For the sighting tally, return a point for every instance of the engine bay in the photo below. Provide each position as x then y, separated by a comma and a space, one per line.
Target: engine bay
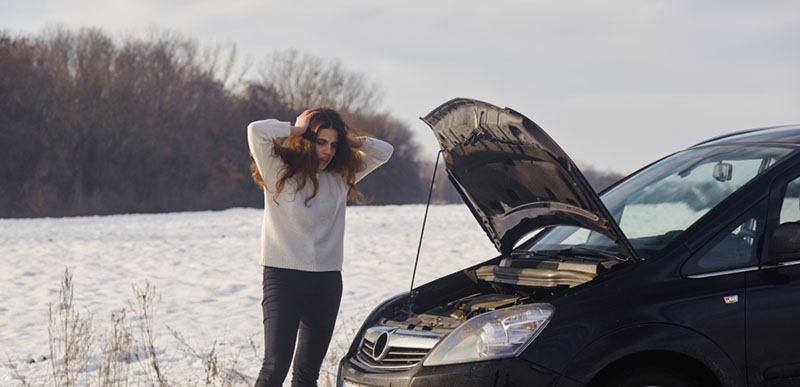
513, 281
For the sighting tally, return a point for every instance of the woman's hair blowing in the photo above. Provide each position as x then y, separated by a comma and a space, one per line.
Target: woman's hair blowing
299, 157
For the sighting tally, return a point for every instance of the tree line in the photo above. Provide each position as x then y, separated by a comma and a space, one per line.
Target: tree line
92, 124
95, 125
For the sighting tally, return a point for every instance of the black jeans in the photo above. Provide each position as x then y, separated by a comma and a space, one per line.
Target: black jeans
297, 305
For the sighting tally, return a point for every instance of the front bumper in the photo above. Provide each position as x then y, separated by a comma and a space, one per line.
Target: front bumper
503, 372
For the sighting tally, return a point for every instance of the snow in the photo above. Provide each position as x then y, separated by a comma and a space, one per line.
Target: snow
204, 266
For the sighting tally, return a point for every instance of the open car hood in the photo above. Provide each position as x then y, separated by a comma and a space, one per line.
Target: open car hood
513, 176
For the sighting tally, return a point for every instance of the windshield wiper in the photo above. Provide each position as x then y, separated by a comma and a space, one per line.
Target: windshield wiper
578, 251
531, 254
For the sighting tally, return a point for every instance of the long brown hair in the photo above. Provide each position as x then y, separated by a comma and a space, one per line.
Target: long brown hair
299, 157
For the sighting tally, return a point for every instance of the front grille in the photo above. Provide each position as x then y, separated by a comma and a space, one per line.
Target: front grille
398, 349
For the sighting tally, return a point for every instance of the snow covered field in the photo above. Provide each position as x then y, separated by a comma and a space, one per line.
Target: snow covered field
204, 266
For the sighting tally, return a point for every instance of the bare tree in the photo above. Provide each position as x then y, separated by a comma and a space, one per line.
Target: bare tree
308, 81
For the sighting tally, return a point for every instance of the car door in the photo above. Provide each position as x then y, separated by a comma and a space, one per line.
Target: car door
716, 278
773, 297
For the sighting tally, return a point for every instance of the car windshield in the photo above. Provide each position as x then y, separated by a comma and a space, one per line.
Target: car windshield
658, 203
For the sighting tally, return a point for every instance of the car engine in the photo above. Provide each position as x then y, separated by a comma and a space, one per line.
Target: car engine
402, 338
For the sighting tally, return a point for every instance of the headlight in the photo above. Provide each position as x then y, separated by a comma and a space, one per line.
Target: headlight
492, 335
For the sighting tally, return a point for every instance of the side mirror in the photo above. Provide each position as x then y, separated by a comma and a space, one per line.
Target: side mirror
785, 242
723, 171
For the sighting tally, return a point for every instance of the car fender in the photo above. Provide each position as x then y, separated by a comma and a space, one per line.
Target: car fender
640, 338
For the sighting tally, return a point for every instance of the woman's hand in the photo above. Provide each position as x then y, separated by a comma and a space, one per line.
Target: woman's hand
355, 141
301, 123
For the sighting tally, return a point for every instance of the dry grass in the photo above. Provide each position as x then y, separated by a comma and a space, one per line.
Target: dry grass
70, 338
220, 368
117, 356
145, 312
77, 350
23, 381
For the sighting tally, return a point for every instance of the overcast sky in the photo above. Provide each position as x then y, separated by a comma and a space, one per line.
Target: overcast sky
618, 83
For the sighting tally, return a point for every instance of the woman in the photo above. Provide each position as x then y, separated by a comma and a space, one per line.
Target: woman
307, 181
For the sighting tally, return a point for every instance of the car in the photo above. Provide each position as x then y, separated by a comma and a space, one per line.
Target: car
684, 273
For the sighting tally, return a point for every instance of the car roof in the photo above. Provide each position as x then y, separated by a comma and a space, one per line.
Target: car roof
785, 134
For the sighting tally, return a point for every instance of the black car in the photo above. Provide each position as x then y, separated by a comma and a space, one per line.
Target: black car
685, 273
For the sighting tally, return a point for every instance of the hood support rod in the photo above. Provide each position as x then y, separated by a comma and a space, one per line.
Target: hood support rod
424, 219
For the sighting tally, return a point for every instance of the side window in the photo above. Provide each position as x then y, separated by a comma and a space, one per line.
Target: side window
784, 243
733, 248
790, 209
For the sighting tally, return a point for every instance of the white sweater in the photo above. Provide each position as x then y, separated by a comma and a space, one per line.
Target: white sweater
294, 236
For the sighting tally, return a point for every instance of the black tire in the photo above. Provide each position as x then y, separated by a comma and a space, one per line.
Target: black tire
652, 376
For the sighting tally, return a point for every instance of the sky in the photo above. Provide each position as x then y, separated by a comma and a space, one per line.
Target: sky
617, 83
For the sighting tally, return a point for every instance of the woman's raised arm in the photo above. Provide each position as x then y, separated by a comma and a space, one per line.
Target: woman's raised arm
260, 135
374, 153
